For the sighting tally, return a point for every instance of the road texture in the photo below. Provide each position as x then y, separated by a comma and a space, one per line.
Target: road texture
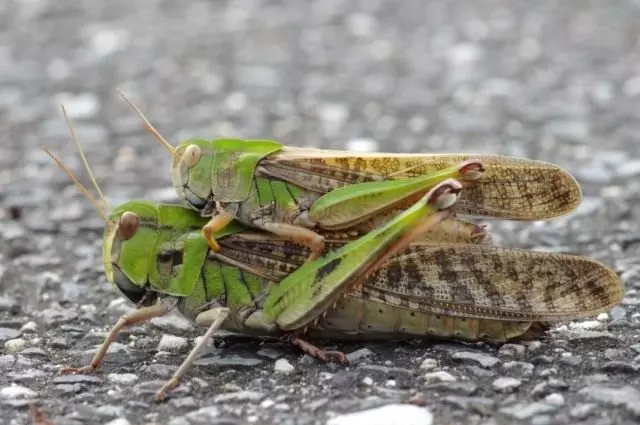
556, 81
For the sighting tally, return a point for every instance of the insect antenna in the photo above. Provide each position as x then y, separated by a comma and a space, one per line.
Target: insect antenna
147, 125
84, 159
83, 189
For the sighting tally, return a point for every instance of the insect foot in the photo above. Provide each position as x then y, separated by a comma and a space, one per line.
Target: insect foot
312, 350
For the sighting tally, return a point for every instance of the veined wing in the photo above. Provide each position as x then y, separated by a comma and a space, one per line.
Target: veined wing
465, 280
510, 188
490, 282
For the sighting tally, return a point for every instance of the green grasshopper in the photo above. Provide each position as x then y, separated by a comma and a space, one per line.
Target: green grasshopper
381, 285
153, 256
298, 192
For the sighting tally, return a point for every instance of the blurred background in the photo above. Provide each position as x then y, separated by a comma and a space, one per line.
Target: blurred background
549, 80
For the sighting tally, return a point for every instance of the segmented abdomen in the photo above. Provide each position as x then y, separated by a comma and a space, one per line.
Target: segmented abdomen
358, 318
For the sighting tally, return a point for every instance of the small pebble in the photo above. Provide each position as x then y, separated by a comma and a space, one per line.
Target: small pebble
555, 399
29, 327
359, 355
15, 345
230, 387
506, 384
172, 343
17, 391
512, 350
239, 397
483, 360
123, 378
429, 364
524, 411
183, 402
439, 377
270, 352
583, 411
119, 421
391, 414
283, 366
204, 414
174, 324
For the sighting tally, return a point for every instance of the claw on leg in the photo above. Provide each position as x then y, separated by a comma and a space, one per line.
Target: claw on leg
300, 235
217, 222
312, 350
129, 319
216, 317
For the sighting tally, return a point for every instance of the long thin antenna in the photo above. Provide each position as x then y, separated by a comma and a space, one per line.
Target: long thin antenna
147, 125
84, 159
83, 189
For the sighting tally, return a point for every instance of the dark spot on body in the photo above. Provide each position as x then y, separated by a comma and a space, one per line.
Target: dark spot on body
328, 268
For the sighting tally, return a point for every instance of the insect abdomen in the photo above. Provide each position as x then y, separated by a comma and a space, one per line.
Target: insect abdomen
358, 318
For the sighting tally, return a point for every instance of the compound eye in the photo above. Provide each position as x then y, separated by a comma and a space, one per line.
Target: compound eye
128, 225
192, 155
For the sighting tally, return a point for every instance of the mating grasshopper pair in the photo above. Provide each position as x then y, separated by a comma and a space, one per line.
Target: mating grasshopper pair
407, 269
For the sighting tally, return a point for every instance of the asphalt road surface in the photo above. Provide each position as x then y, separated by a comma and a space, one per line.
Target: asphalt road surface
556, 81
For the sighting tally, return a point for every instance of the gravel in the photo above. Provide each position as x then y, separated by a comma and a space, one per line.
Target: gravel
556, 81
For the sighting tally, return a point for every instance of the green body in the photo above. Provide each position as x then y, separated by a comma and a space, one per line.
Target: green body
262, 281
262, 182
165, 255
233, 173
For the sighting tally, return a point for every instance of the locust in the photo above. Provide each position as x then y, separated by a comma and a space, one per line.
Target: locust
300, 193
153, 259
390, 283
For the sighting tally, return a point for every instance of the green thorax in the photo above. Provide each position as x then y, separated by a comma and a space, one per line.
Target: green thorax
233, 165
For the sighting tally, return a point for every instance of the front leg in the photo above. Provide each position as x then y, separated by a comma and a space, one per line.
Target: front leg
141, 315
217, 223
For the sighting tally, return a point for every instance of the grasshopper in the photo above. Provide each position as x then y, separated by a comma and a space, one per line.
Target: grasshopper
299, 193
381, 285
155, 259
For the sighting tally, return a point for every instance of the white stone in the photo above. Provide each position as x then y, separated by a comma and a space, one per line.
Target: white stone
588, 324
392, 414
29, 327
283, 366
208, 412
429, 364
15, 345
119, 421
506, 384
122, 378
171, 343
555, 398
440, 376
17, 391
174, 323
367, 380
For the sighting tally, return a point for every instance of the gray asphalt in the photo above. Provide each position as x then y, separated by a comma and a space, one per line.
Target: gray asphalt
556, 81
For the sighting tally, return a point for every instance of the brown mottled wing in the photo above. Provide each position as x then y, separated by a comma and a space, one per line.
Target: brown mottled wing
490, 282
511, 188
